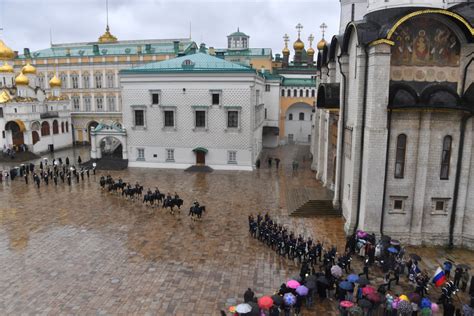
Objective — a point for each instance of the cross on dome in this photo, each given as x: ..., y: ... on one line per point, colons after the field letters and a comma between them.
x: 299, y: 27
x: 323, y: 28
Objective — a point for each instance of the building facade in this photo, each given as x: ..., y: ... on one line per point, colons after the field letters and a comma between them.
x: 393, y: 131
x: 31, y: 119
x: 193, y: 110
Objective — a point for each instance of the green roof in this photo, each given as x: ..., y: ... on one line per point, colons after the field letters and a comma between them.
x: 198, y: 62
x: 117, y: 48
x: 238, y: 33
x: 299, y: 82
x: 245, y: 52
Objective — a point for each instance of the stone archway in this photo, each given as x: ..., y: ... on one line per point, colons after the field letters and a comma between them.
x: 90, y: 126
x: 16, y: 128
x: 109, y: 141
x: 111, y: 147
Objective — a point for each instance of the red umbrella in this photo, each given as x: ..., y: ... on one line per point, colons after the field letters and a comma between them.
x: 367, y: 290
x: 265, y: 302
x: 346, y: 304
x: 374, y: 297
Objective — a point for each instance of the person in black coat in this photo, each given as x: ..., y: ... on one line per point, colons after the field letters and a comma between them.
x: 79, y: 160
x: 67, y: 161
x: 249, y: 295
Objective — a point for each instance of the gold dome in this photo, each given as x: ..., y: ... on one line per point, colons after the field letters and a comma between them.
x: 298, y: 45
x: 107, y: 37
x: 310, y: 51
x: 29, y: 69
x: 6, y: 52
x: 21, y: 79
x: 286, y: 51
x: 6, y: 68
x: 55, y: 82
x: 321, y: 44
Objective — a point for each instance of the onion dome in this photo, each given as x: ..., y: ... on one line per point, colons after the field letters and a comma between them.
x: 298, y: 45
x: 6, y: 68
x: 286, y: 51
x: 310, y: 51
x: 55, y: 82
x: 6, y: 52
x: 29, y: 69
x: 321, y: 44
x: 22, y: 80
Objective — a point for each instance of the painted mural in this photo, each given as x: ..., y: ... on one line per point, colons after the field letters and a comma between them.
x: 425, y: 50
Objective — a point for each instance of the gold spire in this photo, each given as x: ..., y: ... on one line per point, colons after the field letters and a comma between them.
x: 322, y: 43
x: 6, y: 68
x: 55, y: 82
x: 107, y: 37
x: 310, y: 50
x: 29, y: 69
x: 6, y: 53
x: 22, y: 80
x: 286, y: 50
x: 298, y: 45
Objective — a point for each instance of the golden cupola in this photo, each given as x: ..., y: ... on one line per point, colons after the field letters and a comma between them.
x: 22, y: 80
x: 286, y: 50
x: 6, y: 53
x: 310, y: 50
x: 298, y: 45
x: 6, y: 68
x: 107, y: 37
x: 28, y: 69
x: 55, y: 82
x: 322, y: 44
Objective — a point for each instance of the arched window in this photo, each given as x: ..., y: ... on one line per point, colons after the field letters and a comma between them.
x: 312, y: 93
x: 301, y: 92
x: 45, y: 129
x: 400, y: 156
x: 110, y: 79
x: 63, y: 77
x: 301, y: 116
x: 85, y: 80
x: 307, y: 93
x: 288, y: 93
x: 295, y: 93
x: 98, y: 80
x: 290, y: 117
x: 41, y: 80
x: 282, y: 92
x: 67, y: 127
x: 446, y: 158
x: 62, y: 127
x: 75, y: 80
x: 55, y: 127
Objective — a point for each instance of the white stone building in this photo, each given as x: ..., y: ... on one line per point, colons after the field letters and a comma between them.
x: 193, y: 110
x: 30, y: 118
x: 393, y: 131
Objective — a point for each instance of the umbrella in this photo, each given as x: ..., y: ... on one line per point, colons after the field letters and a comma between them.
x: 232, y: 309
x: 403, y: 297
x: 346, y: 304
x: 353, y: 278
x: 356, y: 310
x: 363, y: 281
x: 434, y: 307
x: 392, y: 250
x: 312, y: 277
x: 336, y: 271
x: 297, y: 278
x: 405, y: 308
x: 361, y: 234
x: 345, y: 285
x: 425, y: 303
x: 385, y: 238
x: 394, y: 242
x: 243, y: 308
x: 310, y: 285
x: 464, y: 266
x: 277, y: 300
x: 365, y: 303
x: 414, y: 297
x: 289, y: 299
x: 322, y: 279
x: 367, y: 290
x: 292, y: 284
x: 265, y: 302
x: 414, y: 256
x: 374, y: 297
x: 302, y: 290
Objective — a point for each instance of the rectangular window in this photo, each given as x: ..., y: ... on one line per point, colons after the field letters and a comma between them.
x: 290, y: 138
x: 1, y: 112
x: 200, y: 119
x: 98, y: 80
x: 348, y: 143
x: 139, y: 118
x: 155, y: 98
x: 446, y: 158
x: 110, y: 80
x: 75, y: 81
x: 170, y: 155
x: 232, y: 119
x: 86, y: 81
x: 75, y: 103
x: 87, y: 104
x: 265, y: 113
x: 267, y: 87
x: 232, y: 157
x: 398, y: 205
x: 140, y: 154
x: 111, y: 104
x: 216, y: 99
x: 439, y: 206
x: 400, y: 156
x: 169, y: 118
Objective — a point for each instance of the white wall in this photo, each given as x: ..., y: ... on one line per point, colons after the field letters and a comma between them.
x: 300, y: 129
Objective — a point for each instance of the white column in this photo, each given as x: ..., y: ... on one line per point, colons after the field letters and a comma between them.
x: 93, y: 147
x: 124, y: 148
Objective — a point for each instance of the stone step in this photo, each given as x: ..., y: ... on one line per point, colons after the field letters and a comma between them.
x: 314, y: 208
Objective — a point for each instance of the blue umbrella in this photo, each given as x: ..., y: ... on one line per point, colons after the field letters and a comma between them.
x: 425, y: 303
x: 345, y: 285
x: 353, y: 278
x: 289, y: 299
x: 392, y: 250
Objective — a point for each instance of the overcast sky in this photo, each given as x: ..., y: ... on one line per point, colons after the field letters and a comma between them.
x: 27, y: 23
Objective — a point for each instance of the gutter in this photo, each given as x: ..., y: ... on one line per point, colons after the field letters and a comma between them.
x: 361, y: 162
x: 387, y: 152
x: 343, y: 118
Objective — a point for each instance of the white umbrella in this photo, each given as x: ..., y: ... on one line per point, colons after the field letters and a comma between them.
x: 243, y: 308
x: 336, y: 271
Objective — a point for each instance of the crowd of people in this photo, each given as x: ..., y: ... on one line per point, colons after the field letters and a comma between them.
x: 324, y: 273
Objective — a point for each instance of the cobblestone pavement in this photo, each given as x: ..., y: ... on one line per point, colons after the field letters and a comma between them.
x: 79, y: 250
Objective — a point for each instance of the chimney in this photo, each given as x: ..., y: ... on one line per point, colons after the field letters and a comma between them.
x: 202, y: 48
x: 220, y: 55
x: 176, y: 46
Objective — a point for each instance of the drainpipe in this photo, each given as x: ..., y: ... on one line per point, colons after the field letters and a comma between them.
x: 387, y: 151
x: 361, y: 162
x: 464, y: 120
x: 343, y: 118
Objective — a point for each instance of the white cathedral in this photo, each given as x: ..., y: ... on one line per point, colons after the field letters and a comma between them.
x: 393, y: 133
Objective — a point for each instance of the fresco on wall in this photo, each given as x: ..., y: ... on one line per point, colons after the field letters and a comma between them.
x: 425, y: 50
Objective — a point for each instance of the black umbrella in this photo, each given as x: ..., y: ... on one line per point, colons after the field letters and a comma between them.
x: 363, y: 281
x: 463, y: 266
x: 365, y: 303
x: 385, y: 238
x: 312, y: 277
x: 277, y: 300
x: 414, y: 256
x: 255, y: 309
x: 323, y: 280
x: 310, y: 285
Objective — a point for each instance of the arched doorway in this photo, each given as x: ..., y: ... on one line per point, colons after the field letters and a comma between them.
x: 111, y: 147
x: 270, y: 136
x: 298, y: 123
x: 90, y: 125
x: 35, y: 127
x: 17, y: 128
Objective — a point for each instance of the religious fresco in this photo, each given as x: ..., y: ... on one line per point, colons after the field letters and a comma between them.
x: 425, y: 50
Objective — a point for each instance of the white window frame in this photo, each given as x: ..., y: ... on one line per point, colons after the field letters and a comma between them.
x: 99, y: 100
x: 76, y: 103
x: 168, y: 151
x: 206, y: 119
x: 446, y: 205
x: 87, y: 105
x: 98, y: 78
x: 111, y: 101
x: 392, y: 209
x: 110, y: 77
x: 75, y: 81
x: 135, y: 108
x: 239, y: 119
x: 232, y: 157
x: 86, y: 81
x: 175, y: 121
x: 219, y: 92
x: 140, y: 154
x: 151, y: 97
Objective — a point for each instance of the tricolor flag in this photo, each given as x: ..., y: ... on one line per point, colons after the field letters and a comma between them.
x: 439, y: 278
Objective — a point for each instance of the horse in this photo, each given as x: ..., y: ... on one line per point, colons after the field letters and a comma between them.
x: 171, y: 203
x: 197, y: 210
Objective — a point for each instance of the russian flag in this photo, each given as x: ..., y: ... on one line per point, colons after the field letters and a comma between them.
x: 439, y: 278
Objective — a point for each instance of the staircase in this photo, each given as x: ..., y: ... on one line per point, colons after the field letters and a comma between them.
x: 107, y: 164
x: 310, y: 202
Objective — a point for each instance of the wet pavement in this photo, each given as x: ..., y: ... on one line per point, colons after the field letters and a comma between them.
x: 80, y: 250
